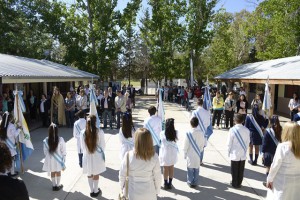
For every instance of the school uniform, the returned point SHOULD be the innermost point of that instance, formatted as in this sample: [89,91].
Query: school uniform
[193,159]
[127,144]
[237,152]
[229,105]
[255,137]
[155,124]
[268,147]
[144,177]
[12,136]
[79,125]
[93,163]
[203,116]
[168,152]
[50,163]
[285,174]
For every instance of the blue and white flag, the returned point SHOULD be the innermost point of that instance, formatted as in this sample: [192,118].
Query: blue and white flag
[267,99]
[160,109]
[207,105]
[25,145]
[93,104]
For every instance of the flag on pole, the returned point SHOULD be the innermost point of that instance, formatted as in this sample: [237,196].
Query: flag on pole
[192,72]
[25,147]
[207,105]
[267,99]
[160,109]
[94,104]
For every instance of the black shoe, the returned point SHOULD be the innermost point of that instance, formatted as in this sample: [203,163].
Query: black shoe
[250,162]
[15,174]
[170,186]
[193,186]
[190,185]
[166,187]
[97,193]
[254,163]
[54,188]
[57,188]
[265,184]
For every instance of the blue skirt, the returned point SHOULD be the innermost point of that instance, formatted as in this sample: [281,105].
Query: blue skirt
[255,138]
[268,159]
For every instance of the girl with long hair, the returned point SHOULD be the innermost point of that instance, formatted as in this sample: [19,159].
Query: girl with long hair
[93,144]
[168,152]
[283,179]
[9,135]
[55,156]
[271,139]
[256,123]
[144,170]
[126,134]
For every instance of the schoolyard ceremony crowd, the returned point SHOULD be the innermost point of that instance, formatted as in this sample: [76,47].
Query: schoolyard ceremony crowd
[146,150]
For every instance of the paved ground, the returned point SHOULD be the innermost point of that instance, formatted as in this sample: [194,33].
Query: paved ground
[215,175]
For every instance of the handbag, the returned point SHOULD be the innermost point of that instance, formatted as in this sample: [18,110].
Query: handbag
[124,195]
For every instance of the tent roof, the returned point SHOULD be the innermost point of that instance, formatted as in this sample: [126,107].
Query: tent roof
[15,69]
[280,71]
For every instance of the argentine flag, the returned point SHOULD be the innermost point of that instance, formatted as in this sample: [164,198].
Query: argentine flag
[207,105]
[267,99]
[160,109]
[25,147]
[94,104]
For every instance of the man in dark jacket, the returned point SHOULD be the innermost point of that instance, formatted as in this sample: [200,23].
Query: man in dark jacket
[106,106]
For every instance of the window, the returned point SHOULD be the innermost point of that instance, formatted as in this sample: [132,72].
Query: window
[252,87]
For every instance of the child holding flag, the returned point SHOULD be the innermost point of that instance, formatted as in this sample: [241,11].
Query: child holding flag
[55,156]
[193,145]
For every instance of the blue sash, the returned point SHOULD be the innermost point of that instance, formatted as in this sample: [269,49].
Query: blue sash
[272,134]
[240,139]
[193,143]
[201,125]
[78,128]
[56,156]
[154,136]
[257,127]
[10,144]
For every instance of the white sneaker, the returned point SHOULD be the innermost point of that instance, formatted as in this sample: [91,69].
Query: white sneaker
[215,127]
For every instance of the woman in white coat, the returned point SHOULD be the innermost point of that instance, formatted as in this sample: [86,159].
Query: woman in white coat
[283,179]
[55,156]
[168,152]
[126,134]
[144,170]
[9,135]
[93,144]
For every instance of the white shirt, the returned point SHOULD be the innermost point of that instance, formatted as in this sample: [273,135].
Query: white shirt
[120,103]
[42,107]
[235,150]
[193,159]
[242,92]
[285,174]
[79,125]
[156,124]
[204,115]
[12,135]
[293,104]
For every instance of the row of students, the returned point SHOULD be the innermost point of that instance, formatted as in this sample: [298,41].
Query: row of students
[91,145]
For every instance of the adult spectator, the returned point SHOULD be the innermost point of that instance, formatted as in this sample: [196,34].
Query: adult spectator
[70,110]
[132,95]
[283,179]
[81,101]
[32,104]
[293,105]
[10,188]
[218,103]
[106,106]
[230,105]
[242,91]
[144,171]
[120,106]
[242,105]
[44,107]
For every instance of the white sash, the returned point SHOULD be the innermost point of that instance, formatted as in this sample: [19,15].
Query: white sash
[193,143]
[154,136]
[55,155]
[240,139]
[257,127]
[272,134]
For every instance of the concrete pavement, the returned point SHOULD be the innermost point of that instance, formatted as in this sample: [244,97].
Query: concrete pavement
[214,175]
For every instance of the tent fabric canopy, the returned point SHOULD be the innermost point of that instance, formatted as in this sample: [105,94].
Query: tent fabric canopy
[280,71]
[15,69]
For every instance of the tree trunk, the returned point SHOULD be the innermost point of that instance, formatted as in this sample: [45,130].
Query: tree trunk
[92,37]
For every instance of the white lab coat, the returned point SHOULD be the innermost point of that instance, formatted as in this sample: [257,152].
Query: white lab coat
[168,153]
[205,118]
[81,124]
[235,150]
[51,164]
[156,124]
[285,174]
[144,177]
[12,134]
[93,163]
[127,144]
[193,159]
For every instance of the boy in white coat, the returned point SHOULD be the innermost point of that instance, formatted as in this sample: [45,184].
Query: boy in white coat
[193,145]
[237,143]
[79,125]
